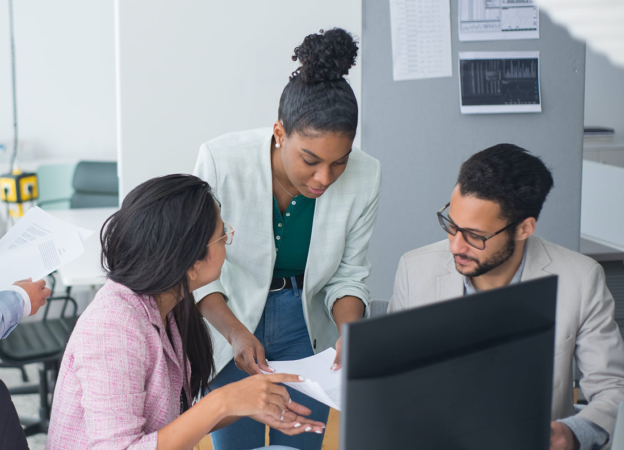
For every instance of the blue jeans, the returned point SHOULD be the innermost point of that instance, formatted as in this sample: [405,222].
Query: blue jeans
[283,334]
[276,447]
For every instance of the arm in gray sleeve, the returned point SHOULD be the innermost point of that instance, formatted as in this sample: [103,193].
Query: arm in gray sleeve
[600,353]
[589,435]
[11,311]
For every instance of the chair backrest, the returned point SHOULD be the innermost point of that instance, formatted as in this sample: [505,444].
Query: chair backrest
[55,184]
[379,308]
[95,185]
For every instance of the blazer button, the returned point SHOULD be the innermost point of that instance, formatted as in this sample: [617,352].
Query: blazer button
[314,344]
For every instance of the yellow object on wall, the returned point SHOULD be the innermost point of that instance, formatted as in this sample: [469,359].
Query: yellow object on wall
[17,188]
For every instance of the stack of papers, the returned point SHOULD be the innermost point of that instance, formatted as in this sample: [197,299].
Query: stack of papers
[38,245]
[321,383]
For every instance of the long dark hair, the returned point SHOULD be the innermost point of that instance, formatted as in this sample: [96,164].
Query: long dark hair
[317,99]
[162,229]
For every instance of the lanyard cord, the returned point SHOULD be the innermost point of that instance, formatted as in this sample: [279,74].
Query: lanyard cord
[12,34]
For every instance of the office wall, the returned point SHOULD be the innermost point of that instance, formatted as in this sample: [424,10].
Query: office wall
[191,71]
[604,94]
[65,78]
[416,130]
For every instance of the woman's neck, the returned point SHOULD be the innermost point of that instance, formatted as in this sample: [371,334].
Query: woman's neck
[278,169]
[166,302]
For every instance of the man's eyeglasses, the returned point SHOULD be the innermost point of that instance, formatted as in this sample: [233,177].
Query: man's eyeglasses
[228,234]
[472,239]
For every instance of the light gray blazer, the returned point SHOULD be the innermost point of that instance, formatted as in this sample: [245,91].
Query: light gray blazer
[238,167]
[585,327]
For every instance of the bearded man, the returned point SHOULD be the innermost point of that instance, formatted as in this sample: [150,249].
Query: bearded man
[490,221]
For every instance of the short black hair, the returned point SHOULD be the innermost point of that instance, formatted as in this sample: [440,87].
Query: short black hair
[317,99]
[510,176]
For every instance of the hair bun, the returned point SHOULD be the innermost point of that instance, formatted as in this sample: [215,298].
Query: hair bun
[326,56]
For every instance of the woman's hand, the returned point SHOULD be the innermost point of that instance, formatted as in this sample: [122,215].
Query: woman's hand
[338,359]
[260,395]
[292,423]
[345,310]
[248,350]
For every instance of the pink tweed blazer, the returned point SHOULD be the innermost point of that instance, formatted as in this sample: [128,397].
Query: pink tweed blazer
[120,380]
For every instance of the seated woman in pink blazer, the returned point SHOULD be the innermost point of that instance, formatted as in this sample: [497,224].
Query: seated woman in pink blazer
[141,352]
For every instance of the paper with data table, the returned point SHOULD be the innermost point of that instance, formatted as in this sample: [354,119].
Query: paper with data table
[421,39]
[37,245]
[321,383]
[495,20]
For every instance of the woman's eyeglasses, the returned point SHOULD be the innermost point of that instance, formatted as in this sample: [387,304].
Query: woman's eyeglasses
[228,234]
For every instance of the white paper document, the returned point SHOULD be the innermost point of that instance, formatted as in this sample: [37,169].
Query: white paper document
[421,39]
[37,245]
[495,20]
[499,82]
[322,384]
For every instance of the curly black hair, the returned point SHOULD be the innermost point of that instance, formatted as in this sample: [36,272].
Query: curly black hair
[516,180]
[317,99]
[325,56]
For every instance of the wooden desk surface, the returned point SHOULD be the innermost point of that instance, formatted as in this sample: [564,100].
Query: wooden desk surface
[329,443]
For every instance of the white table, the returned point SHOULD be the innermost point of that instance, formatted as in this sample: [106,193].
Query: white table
[85,270]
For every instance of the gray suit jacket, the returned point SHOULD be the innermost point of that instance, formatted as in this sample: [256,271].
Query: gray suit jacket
[585,327]
[238,167]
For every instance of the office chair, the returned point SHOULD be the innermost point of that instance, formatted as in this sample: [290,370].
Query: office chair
[379,308]
[41,342]
[95,185]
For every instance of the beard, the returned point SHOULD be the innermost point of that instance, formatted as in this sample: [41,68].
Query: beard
[493,262]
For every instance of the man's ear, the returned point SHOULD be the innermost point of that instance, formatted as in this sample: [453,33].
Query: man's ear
[525,229]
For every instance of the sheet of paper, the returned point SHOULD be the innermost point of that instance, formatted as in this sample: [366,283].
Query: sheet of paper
[321,383]
[495,20]
[499,82]
[421,39]
[37,245]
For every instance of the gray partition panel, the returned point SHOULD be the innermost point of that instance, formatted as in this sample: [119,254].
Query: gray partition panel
[417,132]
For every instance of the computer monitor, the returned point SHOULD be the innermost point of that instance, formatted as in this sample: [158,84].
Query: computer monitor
[471,373]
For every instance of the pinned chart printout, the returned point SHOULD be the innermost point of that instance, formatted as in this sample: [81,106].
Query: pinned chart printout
[495,20]
[321,383]
[37,245]
[499,82]
[421,39]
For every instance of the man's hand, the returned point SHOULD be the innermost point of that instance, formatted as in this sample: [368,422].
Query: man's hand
[37,292]
[562,437]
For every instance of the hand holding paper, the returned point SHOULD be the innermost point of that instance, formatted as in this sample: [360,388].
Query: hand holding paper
[37,245]
[321,383]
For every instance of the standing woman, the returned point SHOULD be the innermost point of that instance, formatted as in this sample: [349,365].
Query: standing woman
[304,203]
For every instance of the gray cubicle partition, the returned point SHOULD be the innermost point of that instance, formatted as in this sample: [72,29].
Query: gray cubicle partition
[417,132]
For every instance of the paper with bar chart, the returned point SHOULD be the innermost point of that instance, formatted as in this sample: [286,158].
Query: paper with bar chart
[499,82]
[495,20]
